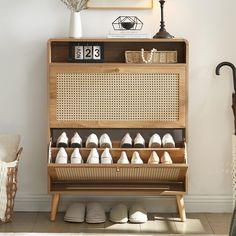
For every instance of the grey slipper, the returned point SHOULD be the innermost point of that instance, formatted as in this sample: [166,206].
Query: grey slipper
[95,213]
[137,214]
[119,214]
[75,213]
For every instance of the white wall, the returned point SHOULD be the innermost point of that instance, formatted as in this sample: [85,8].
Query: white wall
[25,27]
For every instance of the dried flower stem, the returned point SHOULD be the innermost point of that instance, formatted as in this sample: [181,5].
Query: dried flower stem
[76,5]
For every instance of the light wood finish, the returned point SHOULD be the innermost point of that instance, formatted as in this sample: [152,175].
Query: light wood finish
[55,202]
[181,207]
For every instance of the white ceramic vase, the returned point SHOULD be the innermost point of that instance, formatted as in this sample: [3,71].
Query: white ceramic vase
[75,30]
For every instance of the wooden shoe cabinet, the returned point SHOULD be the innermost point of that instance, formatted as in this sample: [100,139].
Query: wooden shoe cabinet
[110,95]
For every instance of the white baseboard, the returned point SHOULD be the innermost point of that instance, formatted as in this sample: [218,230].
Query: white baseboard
[193,203]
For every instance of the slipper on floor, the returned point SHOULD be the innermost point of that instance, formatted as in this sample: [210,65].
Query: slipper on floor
[137,214]
[75,213]
[95,213]
[119,214]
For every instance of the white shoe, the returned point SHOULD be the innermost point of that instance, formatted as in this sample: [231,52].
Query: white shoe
[154,158]
[123,158]
[76,158]
[62,140]
[62,157]
[136,159]
[166,159]
[126,141]
[92,141]
[168,141]
[105,141]
[93,157]
[76,141]
[155,141]
[139,141]
[106,157]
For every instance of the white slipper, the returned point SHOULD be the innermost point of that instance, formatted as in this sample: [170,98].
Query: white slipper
[123,158]
[137,214]
[139,141]
[95,213]
[76,141]
[62,140]
[76,158]
[75,213]
[166,159]
[155,141]
[105,141]
[136,159]
[119,214]
[93,157]
[126,141]
[62,157]
[106,157]
[92,141]
[168,141]
[154,158]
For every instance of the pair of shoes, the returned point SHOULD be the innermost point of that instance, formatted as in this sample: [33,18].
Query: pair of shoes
[93,157]
[166,142]
[136,159]
[63,141]
[127,141]
[137,214]
[62,157]
[165,158]
[78,212]
[104,141]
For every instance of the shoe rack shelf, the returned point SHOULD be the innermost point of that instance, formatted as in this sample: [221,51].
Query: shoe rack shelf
[115,97]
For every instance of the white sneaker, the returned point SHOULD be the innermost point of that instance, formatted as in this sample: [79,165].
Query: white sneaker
[92,141]
[139,141]
[106,157]
[76,158]
[155,141]
[136,159]
[166,159]
[168,141]
[154,158]
[76,141]
[93,157]
[62,140]
[105,141]
[62,157]
[126,141]
[123,158]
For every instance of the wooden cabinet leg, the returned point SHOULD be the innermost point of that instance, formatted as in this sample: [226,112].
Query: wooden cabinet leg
[54,207]
[181,208]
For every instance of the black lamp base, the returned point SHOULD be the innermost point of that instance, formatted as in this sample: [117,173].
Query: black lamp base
[163,34]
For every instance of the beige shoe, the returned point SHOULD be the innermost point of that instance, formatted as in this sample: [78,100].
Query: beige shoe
[62,157]
[76,158]
[136,159]
[168,141]
[76,141]
[166,159]
[137,214]
[62,140]
[123,158]
[139,141]
[106,157]
[119,214]
[155,141]
[154,158]
[105,141]
[92,141]
[93,157]
[126,141]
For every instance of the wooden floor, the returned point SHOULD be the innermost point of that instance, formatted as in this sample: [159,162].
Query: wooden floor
[157,224]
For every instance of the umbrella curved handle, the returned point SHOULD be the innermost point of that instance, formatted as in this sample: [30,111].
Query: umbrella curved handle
[231,66]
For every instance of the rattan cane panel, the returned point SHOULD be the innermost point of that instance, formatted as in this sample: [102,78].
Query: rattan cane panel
[117,96]
[131,174]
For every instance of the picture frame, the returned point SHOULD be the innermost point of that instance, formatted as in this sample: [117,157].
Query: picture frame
[120,4]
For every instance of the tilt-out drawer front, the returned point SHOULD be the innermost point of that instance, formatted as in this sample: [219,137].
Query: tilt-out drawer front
[98,173]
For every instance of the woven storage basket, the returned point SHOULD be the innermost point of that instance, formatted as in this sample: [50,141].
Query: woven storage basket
[11,188]
[159,57]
